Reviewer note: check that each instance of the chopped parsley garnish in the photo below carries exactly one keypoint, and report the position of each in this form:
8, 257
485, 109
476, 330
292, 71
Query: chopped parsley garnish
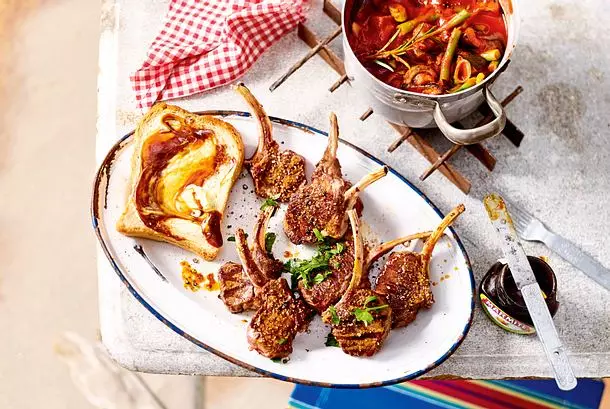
269, 202
232, 238
364, 314
269, 240
334, 317
302, 269
370, 299
282, 341
319, 264
318, 235
280, 360
331, 341
338, 249
321, 277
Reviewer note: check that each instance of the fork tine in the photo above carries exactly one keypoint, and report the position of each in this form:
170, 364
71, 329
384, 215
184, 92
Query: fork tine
517, 219
519, 212
520, 217
520, 226
514, 206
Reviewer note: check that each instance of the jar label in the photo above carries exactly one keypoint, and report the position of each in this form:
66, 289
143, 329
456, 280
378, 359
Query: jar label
504, 320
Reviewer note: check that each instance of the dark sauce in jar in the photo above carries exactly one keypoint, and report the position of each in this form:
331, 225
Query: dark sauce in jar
503, 302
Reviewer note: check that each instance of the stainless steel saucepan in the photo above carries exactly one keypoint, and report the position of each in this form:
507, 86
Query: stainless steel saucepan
429, 111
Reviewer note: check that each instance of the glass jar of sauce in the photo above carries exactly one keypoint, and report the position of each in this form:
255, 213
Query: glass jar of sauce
502, 301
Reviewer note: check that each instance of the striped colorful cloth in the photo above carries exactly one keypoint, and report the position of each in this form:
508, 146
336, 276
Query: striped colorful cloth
518, 394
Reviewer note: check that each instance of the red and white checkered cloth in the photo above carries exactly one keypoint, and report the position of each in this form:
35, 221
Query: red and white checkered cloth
208, 43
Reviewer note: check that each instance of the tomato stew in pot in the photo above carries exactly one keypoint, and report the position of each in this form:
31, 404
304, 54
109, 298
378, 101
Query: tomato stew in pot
428, 46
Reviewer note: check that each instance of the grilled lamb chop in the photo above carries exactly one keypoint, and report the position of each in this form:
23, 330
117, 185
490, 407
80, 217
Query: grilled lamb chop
326, 293
239, 288
404, 280
323, 203
355, 334
260, 266
384, 248
236, 289
322, 295
279, 318
276, 174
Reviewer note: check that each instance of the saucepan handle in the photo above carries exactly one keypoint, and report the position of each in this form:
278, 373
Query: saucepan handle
473, 135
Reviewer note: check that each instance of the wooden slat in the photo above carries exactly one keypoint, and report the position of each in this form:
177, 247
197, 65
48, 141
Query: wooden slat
442, 159
514, 134
327, 55
366, 114
331, 11
342, 79
428, 152
398, 141
479, 151
313, 51
483, 154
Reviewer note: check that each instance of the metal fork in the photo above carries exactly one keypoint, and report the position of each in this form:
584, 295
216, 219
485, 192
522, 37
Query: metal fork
532, 229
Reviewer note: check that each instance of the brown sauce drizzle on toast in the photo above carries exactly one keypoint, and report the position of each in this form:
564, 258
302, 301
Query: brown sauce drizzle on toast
157, 152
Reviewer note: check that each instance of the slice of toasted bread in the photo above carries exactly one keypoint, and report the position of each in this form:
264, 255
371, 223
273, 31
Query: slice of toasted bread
176, 196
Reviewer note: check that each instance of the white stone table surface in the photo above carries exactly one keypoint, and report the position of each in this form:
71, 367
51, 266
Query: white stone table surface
561, 173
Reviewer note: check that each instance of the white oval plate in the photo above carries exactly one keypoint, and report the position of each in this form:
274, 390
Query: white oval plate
392, 208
